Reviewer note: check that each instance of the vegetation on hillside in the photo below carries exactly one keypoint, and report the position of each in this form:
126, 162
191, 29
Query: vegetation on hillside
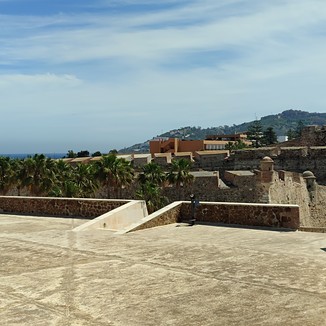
283, 124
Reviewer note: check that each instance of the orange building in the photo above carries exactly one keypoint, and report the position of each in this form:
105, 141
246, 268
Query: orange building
175, 145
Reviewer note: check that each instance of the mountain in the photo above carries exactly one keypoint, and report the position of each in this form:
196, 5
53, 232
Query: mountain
281, 123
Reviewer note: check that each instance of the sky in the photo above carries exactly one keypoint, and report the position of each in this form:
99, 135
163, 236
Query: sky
104, 74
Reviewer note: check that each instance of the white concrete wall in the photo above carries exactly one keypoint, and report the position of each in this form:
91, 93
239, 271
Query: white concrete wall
118, 218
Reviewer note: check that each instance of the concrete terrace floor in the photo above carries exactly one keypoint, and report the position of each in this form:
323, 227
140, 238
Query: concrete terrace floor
171, 275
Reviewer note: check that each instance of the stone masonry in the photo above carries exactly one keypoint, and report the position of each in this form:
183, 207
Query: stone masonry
81, 208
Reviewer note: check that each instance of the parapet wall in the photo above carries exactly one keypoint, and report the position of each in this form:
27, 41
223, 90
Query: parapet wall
266, 215
261, 215
82, 208
167, 215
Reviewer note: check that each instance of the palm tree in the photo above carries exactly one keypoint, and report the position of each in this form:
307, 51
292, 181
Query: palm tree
152, 194
37, 173
22, 175
179, 174
7, 175
78, 181
114, 173
153, 173
84, 178
67, 188
64, 186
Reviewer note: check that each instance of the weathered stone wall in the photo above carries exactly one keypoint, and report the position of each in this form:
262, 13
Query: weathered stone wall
279, 216
209, 192
205, 189
317, 207
164, 216
312, 159
276, 216
298, 155
240, 180
313, 136
82, 208
295, 159
290, 188
209, 162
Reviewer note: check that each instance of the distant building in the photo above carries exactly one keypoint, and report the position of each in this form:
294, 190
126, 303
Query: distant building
281, 139
176, 145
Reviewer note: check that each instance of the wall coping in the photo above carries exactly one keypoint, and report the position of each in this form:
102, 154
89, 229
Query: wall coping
242, 204
68, 199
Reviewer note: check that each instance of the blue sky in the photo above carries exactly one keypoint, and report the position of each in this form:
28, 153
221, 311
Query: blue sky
106, 74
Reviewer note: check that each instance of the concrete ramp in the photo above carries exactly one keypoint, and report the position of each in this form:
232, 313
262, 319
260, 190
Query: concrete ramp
164, 216
119, 218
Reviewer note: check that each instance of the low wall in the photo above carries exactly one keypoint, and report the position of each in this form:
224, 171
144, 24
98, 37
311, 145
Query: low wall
117, 219
167, 215
249, 214
77, 207
267, 215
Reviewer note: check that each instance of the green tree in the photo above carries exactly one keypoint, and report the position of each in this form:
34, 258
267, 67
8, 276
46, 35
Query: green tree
22, 174
298, 129
239, 144
68, 188
74, 181
7, 175
269, 136
71, 154
64, 185
153, 173
152, 194
97, 153
297, 132
84, 178
83, 154
114, 173
255, 133
179, 174
38, 174
291, 134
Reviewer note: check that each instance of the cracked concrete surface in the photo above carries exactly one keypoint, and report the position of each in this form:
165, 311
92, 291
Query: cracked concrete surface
171, 275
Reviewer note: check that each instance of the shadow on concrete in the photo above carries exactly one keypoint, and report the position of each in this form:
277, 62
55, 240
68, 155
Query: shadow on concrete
237, 226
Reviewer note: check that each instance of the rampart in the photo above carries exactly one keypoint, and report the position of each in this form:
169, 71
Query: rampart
313, 136
295, 159
81, 207
261, 215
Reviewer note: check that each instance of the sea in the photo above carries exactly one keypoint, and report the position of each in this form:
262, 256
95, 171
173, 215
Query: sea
25, 155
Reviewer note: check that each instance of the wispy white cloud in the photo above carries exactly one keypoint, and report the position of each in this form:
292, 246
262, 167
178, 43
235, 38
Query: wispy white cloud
188, 62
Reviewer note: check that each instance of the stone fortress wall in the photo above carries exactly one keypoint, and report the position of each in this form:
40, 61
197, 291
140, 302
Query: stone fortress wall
298, 155
263, 215
73, 207
274, 175
264, 185
296, 159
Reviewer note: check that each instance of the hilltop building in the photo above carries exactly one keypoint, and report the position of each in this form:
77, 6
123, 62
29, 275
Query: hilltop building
212, 142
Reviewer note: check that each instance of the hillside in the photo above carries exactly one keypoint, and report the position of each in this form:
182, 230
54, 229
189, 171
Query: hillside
281, 123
